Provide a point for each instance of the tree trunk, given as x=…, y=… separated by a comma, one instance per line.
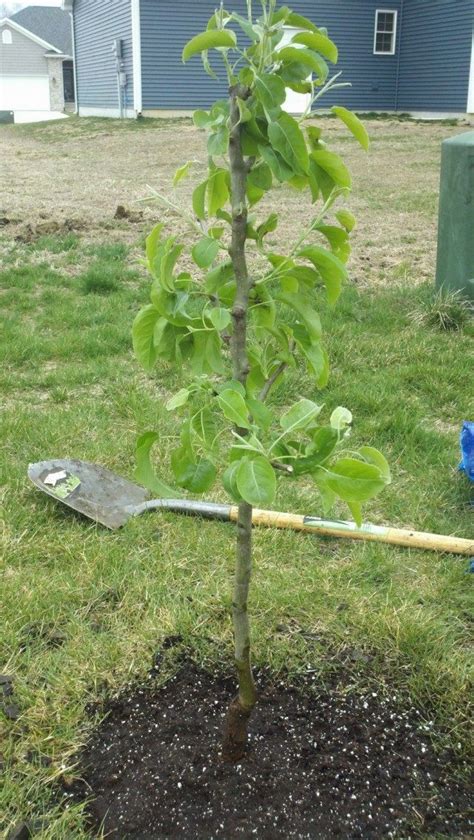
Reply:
x=235, y=734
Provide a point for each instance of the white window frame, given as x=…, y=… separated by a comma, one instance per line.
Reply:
x=7, y=36
x=393, y=12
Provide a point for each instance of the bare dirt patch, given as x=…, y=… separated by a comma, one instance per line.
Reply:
x=85, y=169
x=332, y=762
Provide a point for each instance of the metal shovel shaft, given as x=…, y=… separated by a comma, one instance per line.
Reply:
x=209, y=510
x=315, y=525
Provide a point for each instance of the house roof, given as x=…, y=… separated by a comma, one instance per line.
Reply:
x=48, y=23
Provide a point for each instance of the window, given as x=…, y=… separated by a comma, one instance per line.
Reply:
x=6, y=36
x=385, y=32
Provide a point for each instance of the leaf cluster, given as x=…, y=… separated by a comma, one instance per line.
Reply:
x=190, y=318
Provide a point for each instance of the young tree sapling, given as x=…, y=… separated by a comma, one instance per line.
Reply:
x=247, y=317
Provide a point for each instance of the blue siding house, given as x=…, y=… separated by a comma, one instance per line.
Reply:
x=399, y=55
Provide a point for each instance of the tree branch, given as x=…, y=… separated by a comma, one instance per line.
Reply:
x=271, y=381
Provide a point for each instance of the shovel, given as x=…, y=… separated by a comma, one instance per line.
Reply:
x=108, y=498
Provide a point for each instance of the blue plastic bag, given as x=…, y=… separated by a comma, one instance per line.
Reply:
x=467, y=449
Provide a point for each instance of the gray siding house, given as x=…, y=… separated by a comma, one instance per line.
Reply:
x=399, y=55
x=36, y=68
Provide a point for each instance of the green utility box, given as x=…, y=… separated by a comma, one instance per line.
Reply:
x=455, y=260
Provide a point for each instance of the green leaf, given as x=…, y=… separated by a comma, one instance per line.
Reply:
x=314, y=135
x=354, y=125
x=246, y=27
x=218, y=277
x=356, y=510
x=299, y=182
x=256, y=379
x=220, y=318
x=144, y=472
x=179, y=399
x=346, y=219
x=143, y=330
x=207, y=357
x=234, y=408
x=229, y=480
x=217, y=231
x=299, y=416
x=220, y=111
x=247, y=76
x=328, y=497
x=165, y=339
x=219, y=15
x=279, y=167
x=302, y=306
x=280, y=15
x=248, y=142
x=212, y=39
x=307, y=58
x=260, y=176
x=264, y=309
x=224, y=216
x=325, y=440
x=289, y=284
x=315, y=355
x=320, y=179
x=293, y=73
x=171, y=306
x=334, y=166
x=317, y=41
x=268, y=226
x=217, y=191
x=354, y=481
x=256, y=481
x=207, y=66
x=202, y=119
x=181, y=173
x=195, y=476
x=260, y=413
x=305, y=275
x=254, y=194
x=332, y=269
x=299, y=22
x=204, y=426
x=341, y=418
x=244, y=113
x=199, y=197
x=280, y=262
x=232, y=385
x=300, y=87
x=205, y=251
x=152, y=246
x=271, y=92
x=287, y=138
x=338, y=240
x=218, y=141
x=373, y=456
x=164, y=263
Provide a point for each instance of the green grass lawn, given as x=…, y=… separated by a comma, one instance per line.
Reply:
x=84, y=609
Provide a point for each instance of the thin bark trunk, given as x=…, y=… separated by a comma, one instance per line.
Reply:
x=235, y=734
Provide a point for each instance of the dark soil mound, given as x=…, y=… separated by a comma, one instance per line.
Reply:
x=327, y=764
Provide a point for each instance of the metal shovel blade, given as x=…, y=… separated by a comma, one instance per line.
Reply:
x=89, y=488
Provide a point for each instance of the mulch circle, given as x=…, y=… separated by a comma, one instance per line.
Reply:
x=321, y=764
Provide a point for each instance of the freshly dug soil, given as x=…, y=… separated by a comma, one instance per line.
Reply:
x=321, y=764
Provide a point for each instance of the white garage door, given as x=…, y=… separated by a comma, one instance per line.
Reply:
x=24, y=93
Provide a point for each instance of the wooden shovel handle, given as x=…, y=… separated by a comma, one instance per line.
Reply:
x=349, y=530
